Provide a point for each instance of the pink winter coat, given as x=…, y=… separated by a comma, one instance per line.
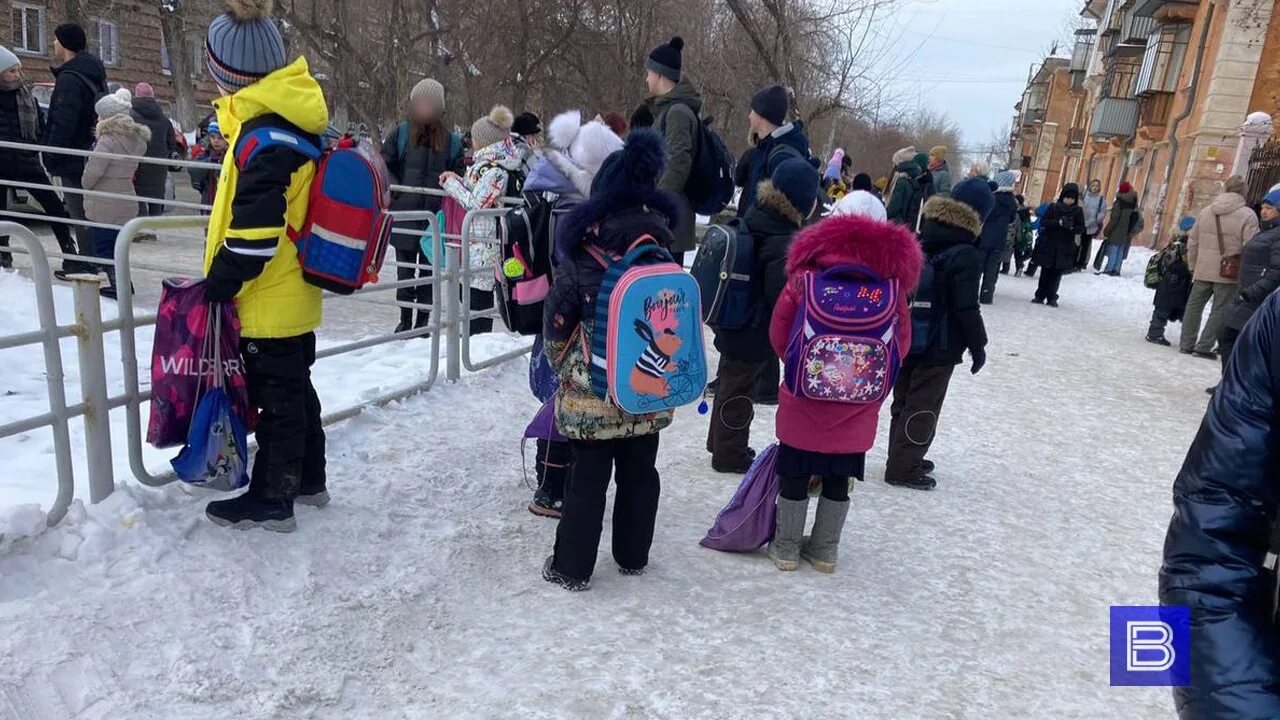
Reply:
x=887, y=248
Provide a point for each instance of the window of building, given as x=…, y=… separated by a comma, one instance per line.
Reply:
x=28, y=29
x=1162, y=61
x=107, y=41
x=1122, y=76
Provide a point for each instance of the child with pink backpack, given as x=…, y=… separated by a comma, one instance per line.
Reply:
x=842, y=327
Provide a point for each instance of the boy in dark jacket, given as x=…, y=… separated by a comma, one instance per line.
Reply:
x=77, y=84
x=1216, y=550
x=1175, y=284
x=948, y=233
x=776, y=141
x=781, y=206
x=151, y=180
x=625, y=204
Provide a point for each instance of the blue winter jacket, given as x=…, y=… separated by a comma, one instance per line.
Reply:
x=1225, y=503
x=995, y=231
x=786, y=143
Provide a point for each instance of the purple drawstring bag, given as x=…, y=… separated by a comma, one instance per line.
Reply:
x=181, y=364
x=542, y=427
x=746, y=523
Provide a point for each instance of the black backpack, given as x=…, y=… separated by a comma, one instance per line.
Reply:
x=929, y=326
x=710, y=186
x=528, y=238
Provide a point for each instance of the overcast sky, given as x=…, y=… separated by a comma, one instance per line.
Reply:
x=971, y=57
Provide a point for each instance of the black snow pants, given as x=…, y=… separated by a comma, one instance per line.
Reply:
x=290, y=437
x=635, y=504
x=729, y=434
x=917, y=403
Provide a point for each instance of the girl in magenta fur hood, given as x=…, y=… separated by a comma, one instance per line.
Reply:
x=825, y=439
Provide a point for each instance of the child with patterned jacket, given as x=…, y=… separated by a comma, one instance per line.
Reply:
x=482, y=187
x=624, y=205
x=829, y=439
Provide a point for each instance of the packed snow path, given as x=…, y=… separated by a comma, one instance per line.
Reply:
x=416, y=594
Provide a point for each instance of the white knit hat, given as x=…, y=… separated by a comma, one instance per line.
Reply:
x=588, y=145
x=860, y=202
x=117, y=103
x=8, y=59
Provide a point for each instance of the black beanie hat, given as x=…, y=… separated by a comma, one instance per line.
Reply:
x=772, y=104
x=665, y=59
x=527, y=124
x=72, y=37
x=862, y=181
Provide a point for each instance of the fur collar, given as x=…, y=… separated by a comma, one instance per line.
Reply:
x=768, y=196
x=122, y=126
x=887, y=248
x=954, y=213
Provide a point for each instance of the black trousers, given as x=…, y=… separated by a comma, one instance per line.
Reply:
x=1050, y=283
x=1100, y=257
x=52, y=205
x=1082, y=254
x=729, y=434
x=635, y=504
x=554, y=459
x=990, y=273
x=290, y=437
x=917, y=402
x=75, y=209
x=834, y=487
x=421, y=294
x=481, y=300
x=1226, y=343
x=770, y=379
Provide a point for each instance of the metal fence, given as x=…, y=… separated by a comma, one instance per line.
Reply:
x=447, y=329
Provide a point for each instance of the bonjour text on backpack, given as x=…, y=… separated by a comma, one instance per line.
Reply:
x=342, y=242
x=646, y=349
x=843, y=345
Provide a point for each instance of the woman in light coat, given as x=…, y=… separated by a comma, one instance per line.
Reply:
x=117, y=133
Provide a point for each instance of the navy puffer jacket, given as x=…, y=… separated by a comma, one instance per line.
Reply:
x=1225, y=503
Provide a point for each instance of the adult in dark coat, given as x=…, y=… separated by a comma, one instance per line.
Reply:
x=948, y=232
x=776, y=142
x=417, y=152
x=1259, y=275
x=995, y=234
x=150, y=180
x=1124, y=224
x=905, y=198
x=1225, y=502
x=20, y=122
x=1056, y=248
x=78, y=83
x=781, y=206
x=675, y=103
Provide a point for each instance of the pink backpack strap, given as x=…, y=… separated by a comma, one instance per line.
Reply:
x=641, y=241
x=599, y=255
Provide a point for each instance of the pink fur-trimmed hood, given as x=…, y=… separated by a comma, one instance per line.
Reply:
x=887, y=248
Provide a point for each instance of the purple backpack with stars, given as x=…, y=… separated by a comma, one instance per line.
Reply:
x=843, y=346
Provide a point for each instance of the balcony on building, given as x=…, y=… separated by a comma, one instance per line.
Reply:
x=1076, y=138
x=1166, y=11
x=1134, y=28
x=1158, y=76
x=1080, y=55
x=1116, y=115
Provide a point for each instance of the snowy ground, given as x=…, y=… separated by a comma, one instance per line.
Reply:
x=416, y=594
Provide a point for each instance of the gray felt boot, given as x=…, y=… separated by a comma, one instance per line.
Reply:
x=784, y=551
x=822, y=548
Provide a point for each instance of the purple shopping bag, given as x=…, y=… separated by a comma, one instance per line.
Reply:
x=746, y=523
x=543, y=425
x=182, y=361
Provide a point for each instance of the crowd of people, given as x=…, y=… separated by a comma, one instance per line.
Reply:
x=85, y=112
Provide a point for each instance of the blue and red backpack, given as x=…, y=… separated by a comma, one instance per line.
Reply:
x=844, y=346
x=343, y=241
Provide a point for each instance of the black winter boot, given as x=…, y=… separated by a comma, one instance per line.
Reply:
x=406, y=320
x=247, y=512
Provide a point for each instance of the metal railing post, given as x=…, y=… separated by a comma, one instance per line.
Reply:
x=453, y=292
x=93, y=386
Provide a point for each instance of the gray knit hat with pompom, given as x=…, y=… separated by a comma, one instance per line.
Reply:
x=244, y=45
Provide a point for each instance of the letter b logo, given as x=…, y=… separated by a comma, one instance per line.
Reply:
x=1150, y=645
